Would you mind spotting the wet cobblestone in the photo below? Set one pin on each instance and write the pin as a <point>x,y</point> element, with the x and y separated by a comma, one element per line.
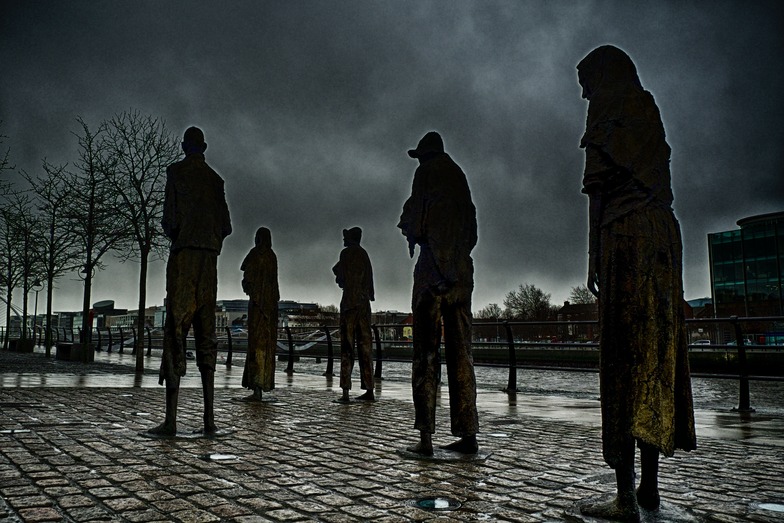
<point>75,453</point>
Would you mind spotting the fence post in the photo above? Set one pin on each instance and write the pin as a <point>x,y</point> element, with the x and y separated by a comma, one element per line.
<point>744,402</point>
<point>330,354</point>
<point>290,366</point>
<point>149,341</point>
<point>377,373</point>
<point>99,339</point>
<point>511,385</point>
<point>133,333</point>
<point>109,334</point>
<point>122,340</point>
<point>228,341</point>
<point>80,334</point>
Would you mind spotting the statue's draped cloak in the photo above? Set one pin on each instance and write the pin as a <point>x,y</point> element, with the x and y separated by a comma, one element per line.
<point>196,220</point>
<point>260,281</point>
<point>644,375</point>
<point>441,218</point>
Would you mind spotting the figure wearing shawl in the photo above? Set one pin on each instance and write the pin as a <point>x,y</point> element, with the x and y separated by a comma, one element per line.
<point>635,266</point>
<point>440,217</point>
<point>260,283</point>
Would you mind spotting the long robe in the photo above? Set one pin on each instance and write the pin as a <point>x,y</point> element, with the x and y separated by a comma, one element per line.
<point>260,281</point>
<point>636,250</point>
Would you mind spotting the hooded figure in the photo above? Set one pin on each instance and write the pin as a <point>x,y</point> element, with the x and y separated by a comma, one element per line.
<point>260,283</point>
<point>440,217</point>
<point>635,266</point>
<point>354,274</point>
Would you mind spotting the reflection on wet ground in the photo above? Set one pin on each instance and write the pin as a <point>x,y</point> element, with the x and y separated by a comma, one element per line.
<point>549,394</point>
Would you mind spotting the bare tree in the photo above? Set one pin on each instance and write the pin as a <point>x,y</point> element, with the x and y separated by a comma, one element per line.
<point>22,234</point>
<point>92,211</point>
<point>141,148</point>
<point>581,295</point>
<point>58,243</point>
<point>10,246</point>
<point>5,165</point>
<point>528,303</point>
<point>490,312</point>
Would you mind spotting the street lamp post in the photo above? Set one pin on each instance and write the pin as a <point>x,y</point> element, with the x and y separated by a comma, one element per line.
<point>37,286</point>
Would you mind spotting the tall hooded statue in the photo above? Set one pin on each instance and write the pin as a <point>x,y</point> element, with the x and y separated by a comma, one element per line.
<point>635,266</point>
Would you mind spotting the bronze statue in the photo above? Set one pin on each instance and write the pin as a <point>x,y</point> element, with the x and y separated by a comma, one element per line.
<point>196,220</point>
<point>635,270</point>
<point>354,274</point>
<point>440,217</point>
<point>260,283</point>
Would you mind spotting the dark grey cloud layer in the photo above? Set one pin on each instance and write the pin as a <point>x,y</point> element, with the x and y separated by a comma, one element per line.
<point>309,108</point>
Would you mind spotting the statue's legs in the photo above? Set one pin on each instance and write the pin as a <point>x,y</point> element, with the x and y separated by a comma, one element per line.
<point>648,491</point>
<point>208,386</point>
<point>624,507</point>
<point>169,425</point>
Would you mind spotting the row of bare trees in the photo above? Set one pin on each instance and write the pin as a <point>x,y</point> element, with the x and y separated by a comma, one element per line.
<point>530,303</point>
<point>66,218</point>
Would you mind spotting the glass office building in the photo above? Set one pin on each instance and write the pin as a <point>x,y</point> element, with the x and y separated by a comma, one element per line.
<point>747,267</point>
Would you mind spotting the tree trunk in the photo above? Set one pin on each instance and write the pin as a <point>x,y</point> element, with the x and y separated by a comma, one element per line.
<point>139,341</point>
<point>87,327</point>
<point>8,295</point>
<point>48,324</point>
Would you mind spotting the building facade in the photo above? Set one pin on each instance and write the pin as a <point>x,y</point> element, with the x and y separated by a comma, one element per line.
<point>747,267</point>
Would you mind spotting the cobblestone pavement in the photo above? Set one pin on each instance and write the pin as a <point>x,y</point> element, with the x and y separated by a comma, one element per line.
<point>71,450</point>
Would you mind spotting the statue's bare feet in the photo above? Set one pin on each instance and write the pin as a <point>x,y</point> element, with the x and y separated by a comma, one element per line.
<point>368,396</point>
<point>648,498</point>
<point>422,448</point>
<point>626,511</point>
<point>164,429</point>
<point>465,445</point>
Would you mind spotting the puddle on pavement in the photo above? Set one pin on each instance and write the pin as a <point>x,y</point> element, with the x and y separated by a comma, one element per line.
<point>219,457</point>
<point>770,507</point>
<point>435,504</point>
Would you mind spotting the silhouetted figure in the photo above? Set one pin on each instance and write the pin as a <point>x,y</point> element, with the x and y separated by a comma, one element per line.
<point>440,217</point>
<point>635,270</point>
<point>260,283</point>
<point>196,220</point>
<point>354,274</point>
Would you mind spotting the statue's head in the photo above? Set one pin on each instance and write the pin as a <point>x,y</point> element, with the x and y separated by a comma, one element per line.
<point>264,237</point>
<point>352,236</point>
<point>193,141</point>
<point>429,145</point>
<point>605,69</point>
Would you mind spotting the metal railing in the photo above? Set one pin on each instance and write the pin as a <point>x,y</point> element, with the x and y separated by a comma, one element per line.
<point>496,343</point>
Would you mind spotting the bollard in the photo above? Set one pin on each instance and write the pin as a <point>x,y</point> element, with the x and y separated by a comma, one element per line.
<point>109,335</point>
<point>511,385</point>
<point>99,339</point>
<point>122,340</point>
<point>377,373</point>
<point>330,354</point>
<point>81,338</point>
<point>228,341</point>
<point>135,341</point>
<point>290,366</point>
<point>149,341</point>
<point>744,401</point>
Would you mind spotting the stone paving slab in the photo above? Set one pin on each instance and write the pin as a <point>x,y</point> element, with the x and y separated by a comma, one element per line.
<point>76,455</point>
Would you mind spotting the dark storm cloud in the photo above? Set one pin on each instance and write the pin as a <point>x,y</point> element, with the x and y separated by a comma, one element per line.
<point>308,109</point>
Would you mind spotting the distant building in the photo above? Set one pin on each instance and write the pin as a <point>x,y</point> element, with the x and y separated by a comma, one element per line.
<point>579,312</point>
<point>747,267</point>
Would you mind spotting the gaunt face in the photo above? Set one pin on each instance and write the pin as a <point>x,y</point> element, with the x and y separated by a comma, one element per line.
<point>584,84</point>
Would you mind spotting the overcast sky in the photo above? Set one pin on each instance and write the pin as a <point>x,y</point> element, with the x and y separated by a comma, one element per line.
<point>309,108</point>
